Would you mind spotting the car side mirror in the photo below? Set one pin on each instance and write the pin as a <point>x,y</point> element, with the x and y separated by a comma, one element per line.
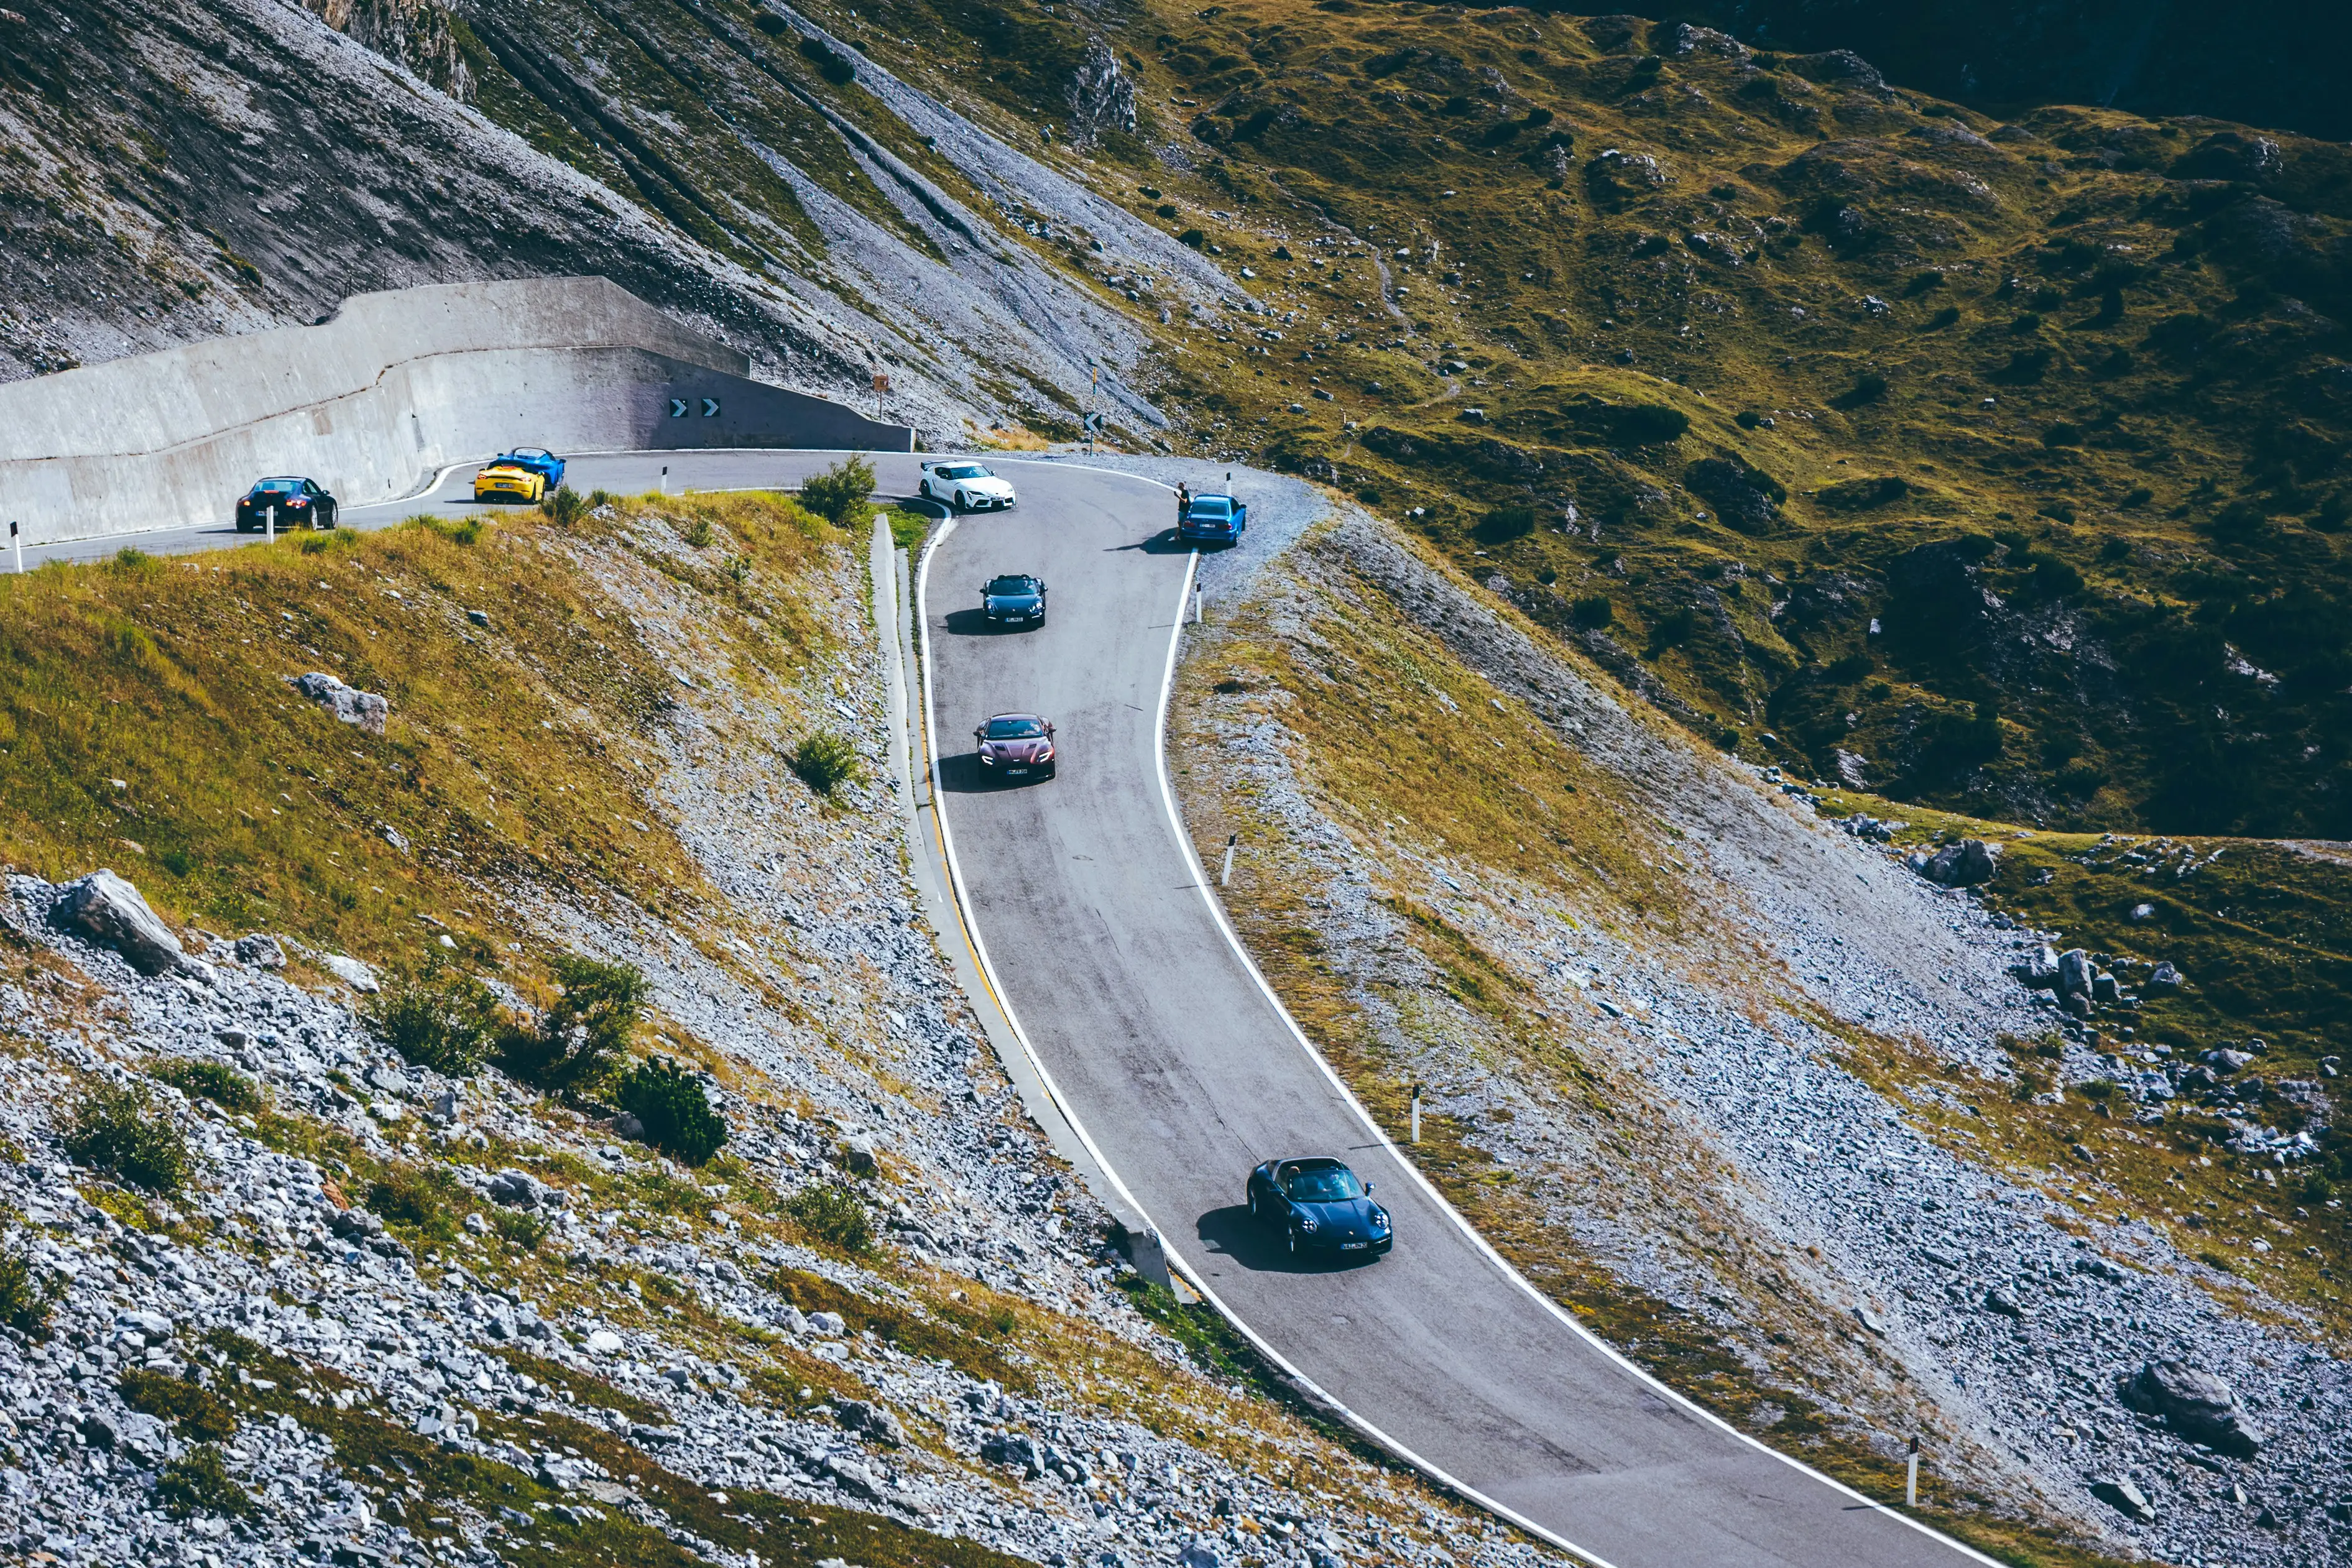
<point>977,732</point>
<point>1368,1189</point>
<point>1049,729</point>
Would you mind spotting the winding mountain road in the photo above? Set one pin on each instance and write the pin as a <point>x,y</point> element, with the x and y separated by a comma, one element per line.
<point>1181,1070</point>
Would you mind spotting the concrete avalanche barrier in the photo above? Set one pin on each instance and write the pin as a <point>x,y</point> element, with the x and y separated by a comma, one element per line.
<point>373,401</point>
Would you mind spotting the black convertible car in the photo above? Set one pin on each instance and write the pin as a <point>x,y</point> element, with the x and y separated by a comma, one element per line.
<point>1320,1206</point>
<point>1015,600</point>
<point>300,503</point>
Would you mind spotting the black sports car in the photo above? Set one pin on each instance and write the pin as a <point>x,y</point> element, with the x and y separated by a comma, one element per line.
<point>1320,1206</point>
<point>300,503</point>
<point>1016,600</point>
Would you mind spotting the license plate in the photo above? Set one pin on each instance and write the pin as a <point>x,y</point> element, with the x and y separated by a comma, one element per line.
<point>1353,1245</point>
<point>1014,773</point>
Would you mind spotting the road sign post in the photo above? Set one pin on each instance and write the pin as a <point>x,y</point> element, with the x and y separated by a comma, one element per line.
<point>1911,1481</point>
<point>16,546</point>
<point>1226,876</point>
<point>1416,1113</point>
<point>271,526</point>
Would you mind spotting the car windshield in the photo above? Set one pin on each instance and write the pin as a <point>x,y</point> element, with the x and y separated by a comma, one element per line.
<point>278,487</point>
<point>1015,728</point>
<point>963,471</point>
<point>529,454</point>
<point>1321,1183</point>
<point>1006,586</point>
<point>1211,506</point>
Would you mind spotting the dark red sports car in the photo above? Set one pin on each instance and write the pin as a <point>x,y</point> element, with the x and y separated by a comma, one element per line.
<point>1015,746</point>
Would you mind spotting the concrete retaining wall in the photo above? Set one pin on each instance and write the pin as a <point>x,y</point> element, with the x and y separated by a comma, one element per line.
<point>375,400</point>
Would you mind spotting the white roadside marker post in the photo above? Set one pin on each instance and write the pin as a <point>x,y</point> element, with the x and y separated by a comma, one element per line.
<point>273,522</point>
<point>1416,1113</point>
<point>1196,605</point>
<point>1911,1482</point>
<point>664,479</point>
<point>16,546</point>
<point>1226,876</point>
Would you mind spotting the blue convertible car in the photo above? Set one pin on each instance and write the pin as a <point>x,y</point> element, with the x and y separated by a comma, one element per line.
<point>1320,1206</point>
<point>538,459</point>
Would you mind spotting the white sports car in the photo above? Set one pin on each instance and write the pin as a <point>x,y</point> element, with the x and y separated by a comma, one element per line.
<point>966,487</point>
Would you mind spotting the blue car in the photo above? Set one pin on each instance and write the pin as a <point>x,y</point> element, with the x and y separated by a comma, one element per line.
<point>1320,1207</point>
<point>1213,519</point>
<point>538,459</point>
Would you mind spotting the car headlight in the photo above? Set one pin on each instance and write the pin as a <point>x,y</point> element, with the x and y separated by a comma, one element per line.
<point>1380,1219</point>
<point>1307,1222</point>
<point>1046,755</point>
<point>987,759</point>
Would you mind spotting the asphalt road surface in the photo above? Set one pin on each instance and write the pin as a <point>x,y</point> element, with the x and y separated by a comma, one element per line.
<point>1184,1074</point>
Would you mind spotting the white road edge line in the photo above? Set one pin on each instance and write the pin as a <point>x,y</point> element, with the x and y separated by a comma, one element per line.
<point>1196,1277</point>
<point>1414,1172</point>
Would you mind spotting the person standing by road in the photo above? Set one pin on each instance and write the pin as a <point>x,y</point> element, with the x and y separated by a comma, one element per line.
<point>1183,502</point>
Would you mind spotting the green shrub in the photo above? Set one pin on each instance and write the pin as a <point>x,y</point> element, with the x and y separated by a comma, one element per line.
<point>521,1228</point>
<point>2316,1188</point>
<point>410,1195</point>
<point>121,1132</point>
<point>564,506</point>
<point>839,494</point>
<point>199,1412</point>
<point>826,762</point>
<point>578,1040</point>
<point>26,1299</point>
<point>697,532</point>
<point>223,1085</point>
<point>601,496</point>
<point>1594,610</point>
<point>829,62</point>
<point>1646,423</point>
<point>199,1482</point>
<point>1507,522</point>
<point>831,1215</point>
<point>676,1114</point>
<point>444,1021</point>
<point>2098,1089</point>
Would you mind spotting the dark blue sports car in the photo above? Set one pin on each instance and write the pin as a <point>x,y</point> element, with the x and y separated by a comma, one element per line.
<point>1016,599</point>
<point>1320,1206</point>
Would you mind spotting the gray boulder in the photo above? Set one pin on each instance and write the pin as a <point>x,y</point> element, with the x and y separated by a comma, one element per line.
<point>2001,1303</point>
<point>874,1421</point>
<point>2197,1404</point>
<point>2075,973</point>
<point>350,705</point>
<point>103,908</point>
<point>2125,1499</point>
<point>518,1189</point>
<point>1962,865</point>
<point>2104,987</point>
<point>259,952</point>
<point>2038,968</point>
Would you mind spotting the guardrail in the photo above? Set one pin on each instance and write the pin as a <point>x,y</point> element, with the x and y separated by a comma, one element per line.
<point>373,400</point>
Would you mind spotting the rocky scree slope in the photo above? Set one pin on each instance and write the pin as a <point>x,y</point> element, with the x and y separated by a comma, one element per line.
<point>1705,1069</point>
<point>373,1309</point>
<point>174,174</point>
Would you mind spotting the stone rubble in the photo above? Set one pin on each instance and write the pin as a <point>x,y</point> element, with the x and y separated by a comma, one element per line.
<point>2017,1311</point>
<point>815,902</point>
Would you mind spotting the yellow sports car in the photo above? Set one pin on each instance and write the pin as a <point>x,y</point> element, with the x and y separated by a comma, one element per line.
<point>508,482</point>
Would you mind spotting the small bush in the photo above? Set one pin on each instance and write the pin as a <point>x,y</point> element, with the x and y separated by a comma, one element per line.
<point>199,1482</point>
<point>830,64</point>
<point>121,1132</point>
<point>521,1228</point>
<point>1192,237</point>
<point>826,762</point>
<point>600,496</point>
<point>1593,611</point>
<point>447,1022</point>
<point>1166,209</point>
<point>578,1040</point>
<point>1507,522</point>
<point>321,543</point>
<point>2098,1089</point>
<point>833,1215</point>
<point>1647,423</point>
<point>26,1297</point>
<point>196,1411</point>
<point>564,506</point>
<point>223,1085</point>
<point>129,560</point>
<point>697,532</point>
<point>2316,1188</point>
<point>841,492</point>
<point>1867,388</point>
<point>410,1195</point>
<point>676,1114</point>
<point>2063,434</point>
<point>1950,316</point>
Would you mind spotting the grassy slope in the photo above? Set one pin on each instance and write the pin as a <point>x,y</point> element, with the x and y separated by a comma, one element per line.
<point>520,761</point>
<point>1332,667</point>
<point>2154,310</point>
